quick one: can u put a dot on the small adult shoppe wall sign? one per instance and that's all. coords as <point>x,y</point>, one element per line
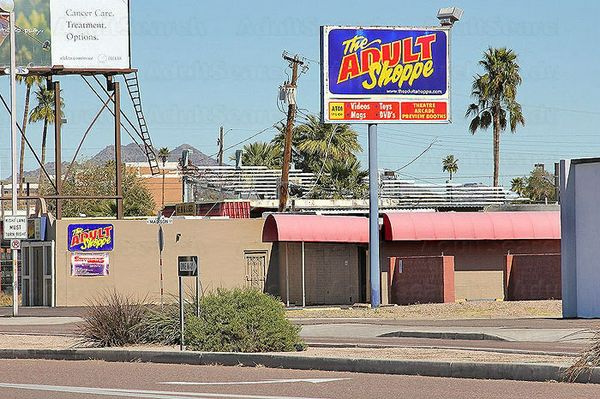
<point>90,245</point>
<point>385,74</point>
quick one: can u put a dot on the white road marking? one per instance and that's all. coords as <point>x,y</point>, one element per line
<point>282,381</point>
<point>134,393</point>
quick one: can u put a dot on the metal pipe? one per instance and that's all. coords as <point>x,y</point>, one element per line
<point>374,219</point>
<point>287,276</point>
<point>303,279</point>
<point>57,149</point>
<point>181,314</point>
<point>63,197</point>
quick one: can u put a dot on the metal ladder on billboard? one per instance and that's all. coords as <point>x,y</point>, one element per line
<point>133,87</point>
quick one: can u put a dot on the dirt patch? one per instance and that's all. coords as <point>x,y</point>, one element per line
<point>441,311</point>
<point>8,341</point>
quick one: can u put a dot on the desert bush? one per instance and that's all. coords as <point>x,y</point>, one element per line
<point>242,320</point>
<point>161,325</point>
<point>113,319</point>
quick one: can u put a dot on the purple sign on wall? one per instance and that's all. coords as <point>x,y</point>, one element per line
<point>89,264</point>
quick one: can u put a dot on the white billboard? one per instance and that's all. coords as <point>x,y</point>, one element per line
<point>90,34</point>
<point>74,34</point>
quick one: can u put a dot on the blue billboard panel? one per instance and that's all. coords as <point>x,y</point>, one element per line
<point>385,74</point>
<point>91,237</point>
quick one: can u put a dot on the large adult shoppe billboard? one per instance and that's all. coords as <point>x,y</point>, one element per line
<point>385,75</point>
<point>75,34</point>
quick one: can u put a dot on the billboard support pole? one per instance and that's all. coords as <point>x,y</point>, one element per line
<point>115,86</point>
<point>57,148</point>
<point>374,218</point>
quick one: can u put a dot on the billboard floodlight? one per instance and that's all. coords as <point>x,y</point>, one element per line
<point>449,15</point>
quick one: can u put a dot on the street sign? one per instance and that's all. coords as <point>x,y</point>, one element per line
<point>157,221</point>
<point>15,227</point>
<point>187,266</point>
<point>161,239</point>
<point>15,245</point>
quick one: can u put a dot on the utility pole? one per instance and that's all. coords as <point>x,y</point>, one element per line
<point>221,142</point>
<point>295,62</point>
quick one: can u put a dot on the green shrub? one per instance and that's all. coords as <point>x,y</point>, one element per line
<point>113,319</point>
<point>242,320</point>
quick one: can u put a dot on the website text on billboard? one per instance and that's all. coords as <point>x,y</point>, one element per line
<point>385,75</point>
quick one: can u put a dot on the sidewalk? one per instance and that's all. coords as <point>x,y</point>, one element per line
<point>357,330</point>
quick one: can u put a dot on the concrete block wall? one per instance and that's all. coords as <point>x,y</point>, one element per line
<point>422,280</point>
<point>533,277</point>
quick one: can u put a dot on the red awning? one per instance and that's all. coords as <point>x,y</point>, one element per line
<point>313,228</point>
<point>472,226</point>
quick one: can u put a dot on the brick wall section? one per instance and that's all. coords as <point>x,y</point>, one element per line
<point>533,277</point>
<point>422,280</point>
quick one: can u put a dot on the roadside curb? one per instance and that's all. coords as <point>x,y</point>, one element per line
<point>465,336</point>
<point>491,371</point>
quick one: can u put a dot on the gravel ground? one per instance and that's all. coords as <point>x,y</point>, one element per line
<point>442,311</point>
<point>441,355</point>
<point>36,342</point>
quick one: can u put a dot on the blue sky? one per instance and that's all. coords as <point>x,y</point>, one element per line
<point>206,64</point>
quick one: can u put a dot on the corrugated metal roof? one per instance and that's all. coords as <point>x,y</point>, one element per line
<point>471,226</point>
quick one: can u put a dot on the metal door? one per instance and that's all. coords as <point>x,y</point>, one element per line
<point>256,266</point>
<point>38,277</point>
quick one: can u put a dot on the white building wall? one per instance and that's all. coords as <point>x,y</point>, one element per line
<point>580,226</point>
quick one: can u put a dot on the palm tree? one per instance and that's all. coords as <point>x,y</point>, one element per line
<point>163,155</point>
<point>44,111</point>
<point>450,165</point>
<point>29,80</point>
<point>519,185</point>
<point>342,179</point>
<point>262,154</point>
<point>325,141</point>
<point>495,94</point>
<point>315,142</point>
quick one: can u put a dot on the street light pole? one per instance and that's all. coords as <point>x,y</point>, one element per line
<point>7,8</point>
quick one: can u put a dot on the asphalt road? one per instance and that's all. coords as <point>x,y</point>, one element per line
<point>91,379</point>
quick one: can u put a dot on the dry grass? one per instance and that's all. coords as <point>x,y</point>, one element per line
<point>445,311</point>
<point>590,358</point>
<point>6,299</point>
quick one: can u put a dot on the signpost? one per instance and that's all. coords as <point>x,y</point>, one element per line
<point>386,75</point>
<point>187,266</point>
<point>15,229</point>
<point>159,220</point>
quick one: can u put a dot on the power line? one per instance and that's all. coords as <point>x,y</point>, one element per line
<point>249,138</point>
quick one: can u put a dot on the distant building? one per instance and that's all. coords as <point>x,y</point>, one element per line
<point>260,186</point>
